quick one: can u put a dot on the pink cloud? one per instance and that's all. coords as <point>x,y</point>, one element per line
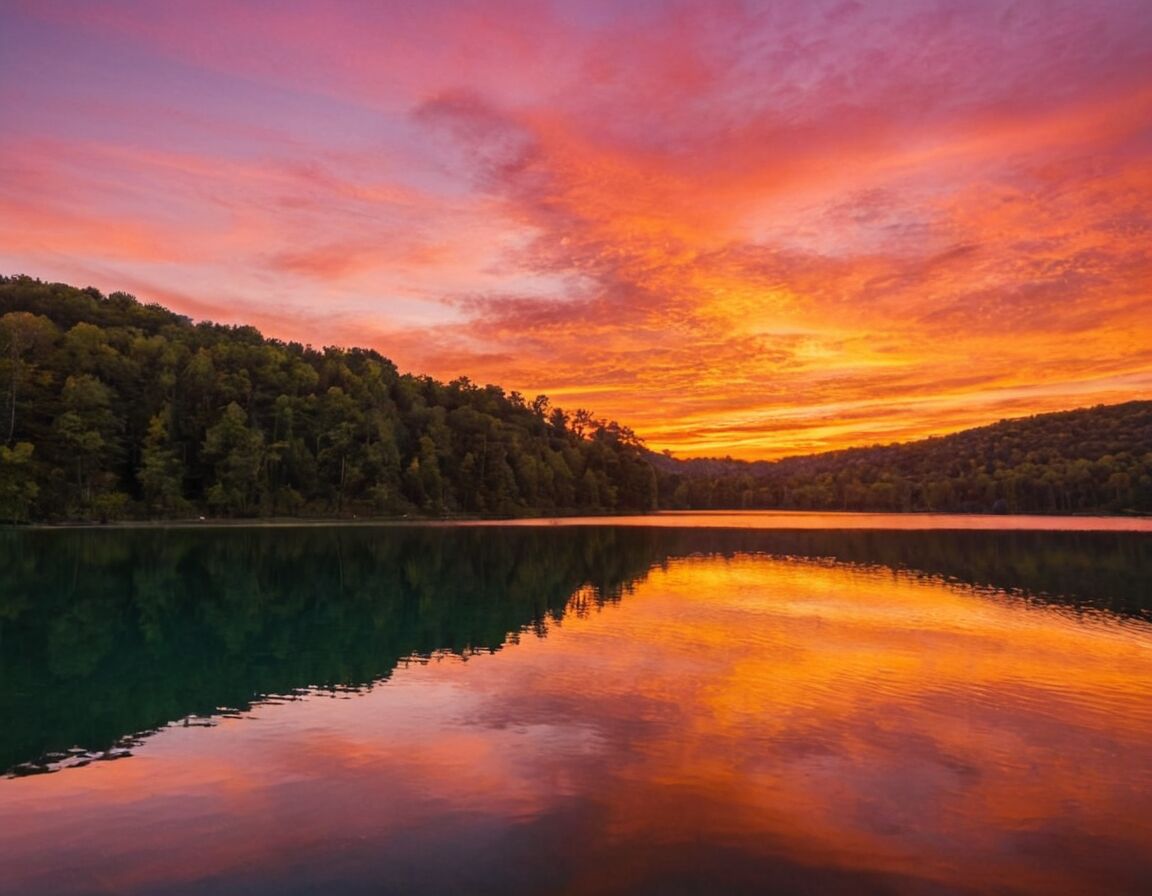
<point>692,217</point>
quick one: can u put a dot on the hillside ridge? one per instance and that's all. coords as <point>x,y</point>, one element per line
<point>111,408</point>
<point>1094,459</point>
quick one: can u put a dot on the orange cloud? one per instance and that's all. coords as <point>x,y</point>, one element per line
<point>749,230</point>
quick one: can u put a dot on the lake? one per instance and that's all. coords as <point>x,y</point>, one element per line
<point>712,704</point>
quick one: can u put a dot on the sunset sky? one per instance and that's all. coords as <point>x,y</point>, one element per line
<point>756,229</point>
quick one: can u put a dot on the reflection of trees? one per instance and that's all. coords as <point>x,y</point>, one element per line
<point>103,634</point>
<point>1105,570</point>
<point>107,633</point>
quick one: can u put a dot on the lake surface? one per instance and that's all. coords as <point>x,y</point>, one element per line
<point>669,705</point>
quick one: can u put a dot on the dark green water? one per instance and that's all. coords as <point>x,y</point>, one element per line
<point>108,638</point>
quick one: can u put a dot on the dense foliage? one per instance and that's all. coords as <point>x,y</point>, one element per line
<point>1091,460</point>
<point>112,408</point>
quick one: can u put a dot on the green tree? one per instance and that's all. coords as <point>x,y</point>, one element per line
<point>161,472</point>
<point>23,336</point>
<point>18,488</point>
<point>89,432</point>
<point>339,444</point>
<point>235,451</point>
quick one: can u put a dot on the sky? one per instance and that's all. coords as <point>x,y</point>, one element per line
<point>753,229</point>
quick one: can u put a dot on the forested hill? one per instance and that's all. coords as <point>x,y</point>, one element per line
<point>112,409</point>
<point>115,409</point>
<point>1092,460</point>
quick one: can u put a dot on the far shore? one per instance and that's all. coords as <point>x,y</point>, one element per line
<point>739,519</point>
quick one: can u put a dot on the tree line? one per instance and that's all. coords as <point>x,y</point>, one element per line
<point>111,408</point>
<point>1093,460</point>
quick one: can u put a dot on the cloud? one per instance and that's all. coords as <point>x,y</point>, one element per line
<point>761,228</point>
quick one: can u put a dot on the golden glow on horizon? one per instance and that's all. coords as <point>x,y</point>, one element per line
<point>754,232</point>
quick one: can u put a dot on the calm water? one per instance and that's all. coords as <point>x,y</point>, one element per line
<point>667,709</point>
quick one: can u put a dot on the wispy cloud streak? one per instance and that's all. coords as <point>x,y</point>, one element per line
<point>741,228</point>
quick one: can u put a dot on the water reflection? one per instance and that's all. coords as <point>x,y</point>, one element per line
<point>104,635</point>
<point>1079,569</point>
<point>742,722</point>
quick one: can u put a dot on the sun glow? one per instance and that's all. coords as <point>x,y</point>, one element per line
<point>751,231</point>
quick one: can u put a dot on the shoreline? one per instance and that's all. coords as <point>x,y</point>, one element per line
<point>766,520</point>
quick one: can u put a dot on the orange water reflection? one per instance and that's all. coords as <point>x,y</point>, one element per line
<point>741,725</point>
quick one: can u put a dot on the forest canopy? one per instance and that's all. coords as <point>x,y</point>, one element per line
<point>1093,460</point>
<point>111,408</point>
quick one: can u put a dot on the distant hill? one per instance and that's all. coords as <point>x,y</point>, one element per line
<point>1090,460</point>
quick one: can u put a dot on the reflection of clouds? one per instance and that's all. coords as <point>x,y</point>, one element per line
<point>827,725</point>
<point>907,711</point>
